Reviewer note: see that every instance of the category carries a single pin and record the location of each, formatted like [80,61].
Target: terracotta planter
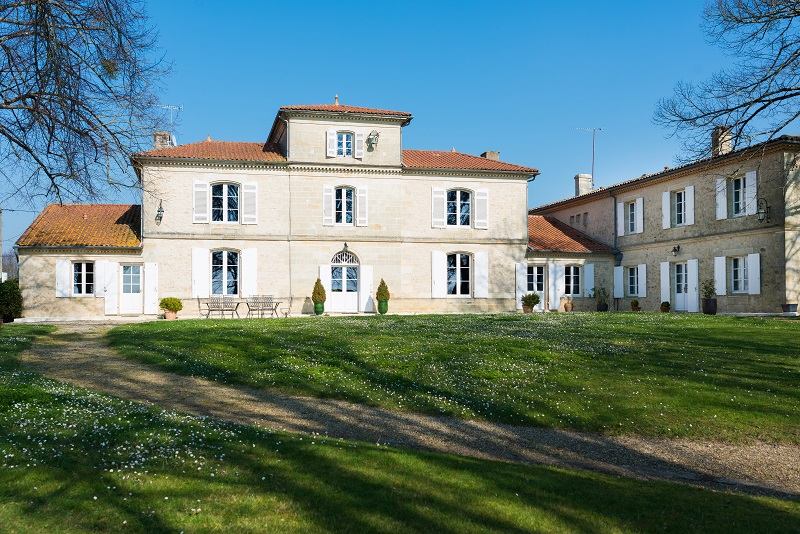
[383,306]
[665,309]
[170,315]
[319,308]
[527,309]
[568,307]
[710,306]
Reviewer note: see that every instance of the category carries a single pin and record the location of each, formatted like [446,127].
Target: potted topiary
[171,307]
[635,305]
[383,297]
[709,297]
[601,296]
[318,297]
[567,303]
[665,306]
[529,302]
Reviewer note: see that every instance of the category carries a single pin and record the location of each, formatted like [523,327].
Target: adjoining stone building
[732,220]
[331,194]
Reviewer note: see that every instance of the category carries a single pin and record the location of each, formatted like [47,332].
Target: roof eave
[404,120]
[534,173]
[168,159]
[99,248]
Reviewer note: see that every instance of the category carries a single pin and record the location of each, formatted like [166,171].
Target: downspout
[289,239]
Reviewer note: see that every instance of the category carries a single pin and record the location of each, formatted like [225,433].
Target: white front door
[681,287]
[130,300]
[344,289]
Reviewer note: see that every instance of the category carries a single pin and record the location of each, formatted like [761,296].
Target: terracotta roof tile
[340,108]
[85,225]
[551,235]
[224,150]
[431,159]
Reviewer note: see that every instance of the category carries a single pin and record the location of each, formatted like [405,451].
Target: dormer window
[344,144]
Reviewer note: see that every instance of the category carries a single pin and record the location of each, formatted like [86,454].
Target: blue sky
[516,77]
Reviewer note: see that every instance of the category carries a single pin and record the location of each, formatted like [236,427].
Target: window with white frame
[83,278]
[572,280]
[459,207]
[344,144]
[679,207]
[739,282]
[225,202]
[738,194]
[343,205]
[630,218]
[225,272]
[459,274]
[535,278]
[633,280]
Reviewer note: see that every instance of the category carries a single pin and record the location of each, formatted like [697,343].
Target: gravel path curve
[79,354]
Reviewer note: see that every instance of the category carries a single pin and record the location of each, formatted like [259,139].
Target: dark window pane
[451,260]
[216,280]
[336,279]
[233,258]
[352,279]
[451,281]
[464,260]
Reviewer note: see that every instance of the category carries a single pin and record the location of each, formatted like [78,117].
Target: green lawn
[671,375]
[76,461]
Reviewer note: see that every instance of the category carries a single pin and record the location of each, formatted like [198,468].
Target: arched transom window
[344,272]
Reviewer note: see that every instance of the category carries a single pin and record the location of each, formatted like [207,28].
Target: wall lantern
[675,250]
[372,138]
[763,210]
[159,213]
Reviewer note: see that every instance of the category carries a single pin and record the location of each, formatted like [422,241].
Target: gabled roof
[341,108]
[85,225]
[548,234]
[431,159]
[219,150]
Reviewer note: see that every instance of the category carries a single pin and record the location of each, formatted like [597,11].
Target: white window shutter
[722,198]
[620,218]
[250,203]
[555,275]
[63,278]
[359,145]
[641,291]
[692,289]
[639,215]
[438,274]
[361,206]
[689,204]
[522,282]
[481,290]
[666,294]
[754,274]
[720,275]
[365,284]
[666,209]
[482,209]
[325,279]
[99,278]
[110,273]
[588,279]
[331,143]
[619,285]
[438,208]
[751,190]
[200,202]
[249,272]
[201,273]
[327,205]
[150,288]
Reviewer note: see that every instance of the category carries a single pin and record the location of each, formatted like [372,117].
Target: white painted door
[536,284]
[131,300]
[344,289]
[681,287]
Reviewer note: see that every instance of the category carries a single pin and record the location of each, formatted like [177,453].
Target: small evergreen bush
[383,291]
[530,300]
[10,300]
[171,304]
[318,295]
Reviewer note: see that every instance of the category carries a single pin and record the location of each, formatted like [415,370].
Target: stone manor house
[333,195]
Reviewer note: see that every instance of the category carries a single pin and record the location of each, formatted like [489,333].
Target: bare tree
[78,80]
[760,95]
[10,265]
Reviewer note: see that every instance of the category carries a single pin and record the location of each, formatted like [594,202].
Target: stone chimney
[161,140]
[720,140]
[583,184]
[491,155]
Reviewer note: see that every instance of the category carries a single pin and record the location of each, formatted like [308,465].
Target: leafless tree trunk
[78,80]
[759,97]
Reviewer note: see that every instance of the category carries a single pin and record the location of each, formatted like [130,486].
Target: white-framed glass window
[225,202]
[344,144]
[739,282]
[459,274]
[83,278]
[131,279]
[633,280]
[738,195]
[343,205]
[572,280]
[225,272]
[459,207]
[343,277]
[679,207]
[535,278]
[630,217]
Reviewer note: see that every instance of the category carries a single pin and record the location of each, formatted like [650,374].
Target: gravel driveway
[78,354]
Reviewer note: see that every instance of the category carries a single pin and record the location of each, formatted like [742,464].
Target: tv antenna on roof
[171,121]
[594,136]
